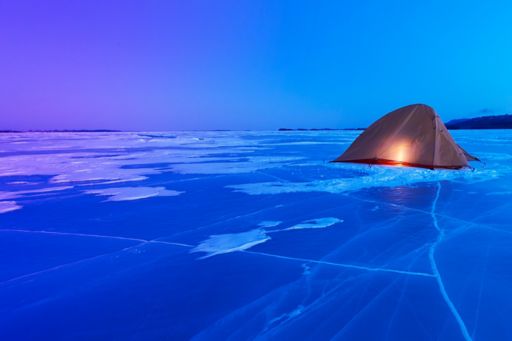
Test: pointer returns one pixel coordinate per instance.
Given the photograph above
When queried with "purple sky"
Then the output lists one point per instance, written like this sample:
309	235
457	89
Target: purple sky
163	65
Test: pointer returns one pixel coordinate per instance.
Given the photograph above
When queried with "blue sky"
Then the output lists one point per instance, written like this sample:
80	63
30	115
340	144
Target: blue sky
163	65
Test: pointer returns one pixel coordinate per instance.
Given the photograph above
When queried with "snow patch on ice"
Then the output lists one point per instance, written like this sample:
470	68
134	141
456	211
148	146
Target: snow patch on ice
82	157
16	183
8	206
4	195
251	164
319	223
45	190
10	196
225	243
133	193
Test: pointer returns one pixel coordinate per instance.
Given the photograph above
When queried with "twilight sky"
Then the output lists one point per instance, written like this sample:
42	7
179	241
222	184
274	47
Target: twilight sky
245	64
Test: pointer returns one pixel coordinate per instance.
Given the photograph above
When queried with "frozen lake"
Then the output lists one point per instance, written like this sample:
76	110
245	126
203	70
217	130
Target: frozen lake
243	235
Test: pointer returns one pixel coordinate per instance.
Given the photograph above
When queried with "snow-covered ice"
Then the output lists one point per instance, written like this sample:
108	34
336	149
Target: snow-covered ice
250	235
8	206
316	223
132	193
230	242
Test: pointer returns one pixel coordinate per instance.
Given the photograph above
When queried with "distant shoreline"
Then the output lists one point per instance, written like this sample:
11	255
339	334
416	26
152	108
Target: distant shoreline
63	131
213	130
318	129
476	123
482	122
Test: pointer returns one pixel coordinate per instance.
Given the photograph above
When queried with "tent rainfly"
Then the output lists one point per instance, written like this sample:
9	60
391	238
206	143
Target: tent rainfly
414	136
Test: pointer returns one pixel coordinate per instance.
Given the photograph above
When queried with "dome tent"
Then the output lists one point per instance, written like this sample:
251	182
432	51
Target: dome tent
414	136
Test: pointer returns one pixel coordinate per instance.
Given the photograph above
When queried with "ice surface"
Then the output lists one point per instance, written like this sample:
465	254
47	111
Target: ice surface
269	223
249	235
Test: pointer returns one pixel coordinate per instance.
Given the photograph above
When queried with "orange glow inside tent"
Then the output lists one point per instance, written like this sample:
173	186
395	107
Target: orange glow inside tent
413	136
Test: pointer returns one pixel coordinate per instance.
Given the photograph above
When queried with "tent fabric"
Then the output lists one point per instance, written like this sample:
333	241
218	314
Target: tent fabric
413	135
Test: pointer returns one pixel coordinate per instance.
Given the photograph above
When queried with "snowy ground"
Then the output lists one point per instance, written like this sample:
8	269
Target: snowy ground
217	235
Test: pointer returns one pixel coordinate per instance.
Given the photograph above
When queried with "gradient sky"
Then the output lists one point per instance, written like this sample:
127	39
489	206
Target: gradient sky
240	64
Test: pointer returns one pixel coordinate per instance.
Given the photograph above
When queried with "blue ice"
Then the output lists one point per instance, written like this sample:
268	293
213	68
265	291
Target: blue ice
249	235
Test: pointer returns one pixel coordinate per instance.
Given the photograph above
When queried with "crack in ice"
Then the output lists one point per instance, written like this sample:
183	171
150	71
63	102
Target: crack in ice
342	265
435	270
142	241
78	234
139	241
74	234
60	266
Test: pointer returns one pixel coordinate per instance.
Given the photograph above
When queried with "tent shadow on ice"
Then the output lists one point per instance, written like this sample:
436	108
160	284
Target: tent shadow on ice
413	136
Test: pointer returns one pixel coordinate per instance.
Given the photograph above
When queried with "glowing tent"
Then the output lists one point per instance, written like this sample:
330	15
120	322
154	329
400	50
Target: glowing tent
413	135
